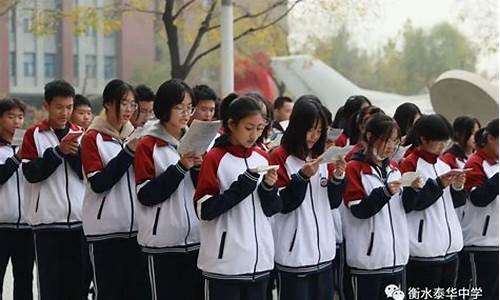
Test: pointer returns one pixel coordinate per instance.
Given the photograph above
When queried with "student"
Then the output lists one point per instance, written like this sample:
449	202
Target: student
358	128
166	180
54	193
234	204
304	232
351	107
480	223
464	128
375	228
144	98
406	115
82	112
204	103
264	141
434	228
109	212
16	237
282	109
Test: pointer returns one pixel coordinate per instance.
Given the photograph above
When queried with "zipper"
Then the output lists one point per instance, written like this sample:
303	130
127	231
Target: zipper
67	191
18	193
155	225
486	223
188	220
254	226
293	241
445	216
131	198
420	230
370	246
316	222
221	245
393	236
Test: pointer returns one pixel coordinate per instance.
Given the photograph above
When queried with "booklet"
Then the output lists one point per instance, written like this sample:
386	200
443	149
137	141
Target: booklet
409	177
199	136
334	153
334	133
18	137
400	152
264	168
71	136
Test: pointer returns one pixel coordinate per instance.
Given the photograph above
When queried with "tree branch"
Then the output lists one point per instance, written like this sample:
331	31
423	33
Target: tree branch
201	31
182	8
8	7
248	15
244	33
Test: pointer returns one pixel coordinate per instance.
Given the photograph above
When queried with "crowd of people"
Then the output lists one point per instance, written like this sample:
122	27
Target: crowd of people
130	217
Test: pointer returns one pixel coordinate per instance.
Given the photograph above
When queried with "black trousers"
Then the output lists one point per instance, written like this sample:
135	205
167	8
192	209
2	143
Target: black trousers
17	245
464	276
119	269
373	286
432	274
217	289
338	272
60	260
175	276
314	286
484	269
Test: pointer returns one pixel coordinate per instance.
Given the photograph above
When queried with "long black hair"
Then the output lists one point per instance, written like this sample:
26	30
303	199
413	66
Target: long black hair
433	127
481	136
378	127
405	116
463	128
115	92
307	113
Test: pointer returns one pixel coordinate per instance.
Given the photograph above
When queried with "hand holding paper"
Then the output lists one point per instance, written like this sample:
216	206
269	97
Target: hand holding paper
264	168
334	153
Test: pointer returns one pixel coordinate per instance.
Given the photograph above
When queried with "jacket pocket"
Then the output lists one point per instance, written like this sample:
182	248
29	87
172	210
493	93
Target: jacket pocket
99	213
370	247
486	224
221	245
37	202
420	230
293	241
155	226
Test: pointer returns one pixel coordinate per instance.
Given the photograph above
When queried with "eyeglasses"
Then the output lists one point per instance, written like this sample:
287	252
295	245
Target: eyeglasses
125	104
184	111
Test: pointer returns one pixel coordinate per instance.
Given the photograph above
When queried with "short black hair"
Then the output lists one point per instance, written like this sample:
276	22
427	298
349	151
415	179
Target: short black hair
115	91
306	114
81	100
337	118
169	94
433	127
405	116
58	88
280	101
352	106
481	136
463	127
241	108
8	104
380	127
144	93
203	92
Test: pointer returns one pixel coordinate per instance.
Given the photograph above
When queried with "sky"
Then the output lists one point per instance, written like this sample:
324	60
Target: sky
373	30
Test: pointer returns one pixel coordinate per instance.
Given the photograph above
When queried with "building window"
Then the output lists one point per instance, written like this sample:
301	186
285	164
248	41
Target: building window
109	67
90	66
29	64
50	65
27	25
76	66
12	64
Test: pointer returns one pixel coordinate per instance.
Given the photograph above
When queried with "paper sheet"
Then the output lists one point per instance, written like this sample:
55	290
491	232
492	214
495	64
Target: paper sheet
264	169
400	152
284	124
334	133
409	177
72	136
335	153
199	136
18	137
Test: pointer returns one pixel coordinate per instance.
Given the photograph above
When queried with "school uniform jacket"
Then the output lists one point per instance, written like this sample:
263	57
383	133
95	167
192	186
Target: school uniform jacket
337	214
480	224
110	197
12	203
54	188
375	226
233	205
165	188
435	232
304	231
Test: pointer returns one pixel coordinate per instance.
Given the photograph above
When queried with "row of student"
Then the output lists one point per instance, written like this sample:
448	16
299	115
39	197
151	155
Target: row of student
220	199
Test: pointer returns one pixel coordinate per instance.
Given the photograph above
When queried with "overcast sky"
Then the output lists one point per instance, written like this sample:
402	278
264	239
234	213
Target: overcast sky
391	17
